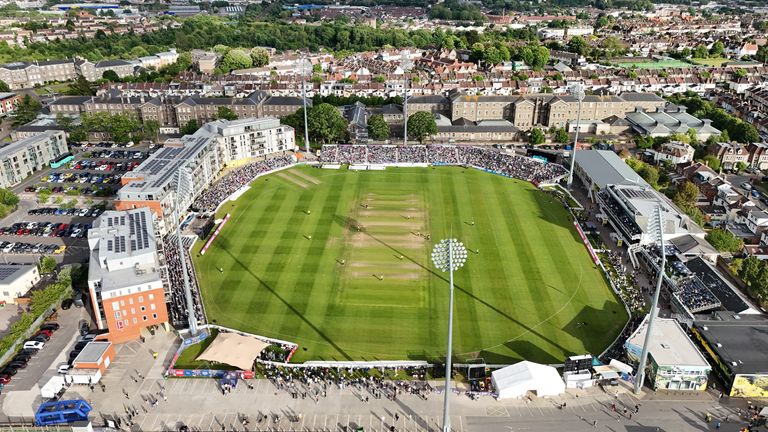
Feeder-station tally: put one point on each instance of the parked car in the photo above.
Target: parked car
(746, 185)
(48, 333)
(5, 379)
(41, 337)
(52, 326)
(17, 365)
(34, 344)
(21, 358)
(63, 368)
(84, 327)
(67, 303)
(8, 371)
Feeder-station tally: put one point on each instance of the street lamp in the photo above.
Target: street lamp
(656, 227)
(577, 91)
(449, 255)
(406, 64)
(305, 68)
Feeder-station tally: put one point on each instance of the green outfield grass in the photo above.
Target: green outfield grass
(715, 62)
(522, 296)
(663, 64)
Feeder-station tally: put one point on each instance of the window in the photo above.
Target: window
(133, 311)
(152, 306)
(115, 306)
(122, 302)
(119, 325)
(130, 300)
(117, 315)
(144, 317)
(151, 296)
(135, 320)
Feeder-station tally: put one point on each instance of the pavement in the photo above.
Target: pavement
(200, 404)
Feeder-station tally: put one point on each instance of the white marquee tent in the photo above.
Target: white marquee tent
(516, 380)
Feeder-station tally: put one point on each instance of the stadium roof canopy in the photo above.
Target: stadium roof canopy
(234, 349)
(605, 167)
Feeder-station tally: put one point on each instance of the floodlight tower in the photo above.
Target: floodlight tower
(577, 91)
(657, 229)
(449, 255)
(183, 187)
(305, 68)
(406, 64)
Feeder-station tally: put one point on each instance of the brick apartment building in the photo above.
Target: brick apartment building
(124, 276)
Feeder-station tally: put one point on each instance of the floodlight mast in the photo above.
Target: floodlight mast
(306, 68)
(191, 318)
(449, 255)
(658, 227)
(577, 90)
(406, 64)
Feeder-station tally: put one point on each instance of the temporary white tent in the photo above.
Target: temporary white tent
(516, 380)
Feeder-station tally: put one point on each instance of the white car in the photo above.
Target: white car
(63, 368)
(746, 186)
(34, 345)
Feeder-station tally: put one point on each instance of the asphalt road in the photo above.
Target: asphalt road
(44, 364)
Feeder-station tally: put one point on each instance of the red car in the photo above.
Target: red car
(46, 332)
(5, 379)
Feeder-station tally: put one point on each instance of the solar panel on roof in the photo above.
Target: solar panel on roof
(7, 272)
(133, 245)
(109, 245)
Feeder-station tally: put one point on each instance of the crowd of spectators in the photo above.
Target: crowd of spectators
(692, 293)
(520, 167)
(627, 284)
(239, 177)
(177, 301)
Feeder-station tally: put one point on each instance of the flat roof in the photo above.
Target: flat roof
(670, 346)
(92, 352)
(741, 341)
(22, 144)
(605, 167)
(729, 299)
(9, 273)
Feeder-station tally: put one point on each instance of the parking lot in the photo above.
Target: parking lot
(43, 365)
(59, 227)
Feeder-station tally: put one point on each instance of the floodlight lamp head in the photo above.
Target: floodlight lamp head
(577, 91)
(449, 253)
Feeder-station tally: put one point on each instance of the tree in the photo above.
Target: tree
(110, 75)
(4, 88)
(8, 202)
(259, 57)
(717, 50)
(326, 125)
(47, 265)
(650, 174)
(712, 162)
(26, 110)
(190, 127)
(536, 137)
(235, 59)
(739, 73)
(687, 193)
(700, 52)
(741, 166)
(378, 129)
(561, 136)
(578, 45)
(724, 241)
(80, 87)
(226, 113)
(151, 128)
(421, 125)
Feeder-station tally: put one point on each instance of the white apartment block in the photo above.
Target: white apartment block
(201, 157)
(20, 159)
